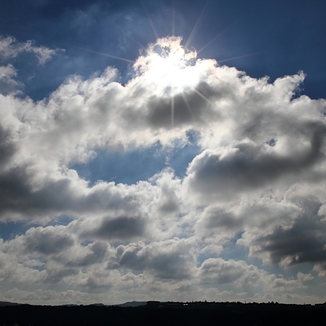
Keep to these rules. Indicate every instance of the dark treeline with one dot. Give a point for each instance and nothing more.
(168, 313)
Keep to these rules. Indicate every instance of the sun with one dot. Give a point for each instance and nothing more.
(171, 70)
(168, 64)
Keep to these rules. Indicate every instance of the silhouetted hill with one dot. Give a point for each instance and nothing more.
(5, 303)
(132, 304)
(165, 313)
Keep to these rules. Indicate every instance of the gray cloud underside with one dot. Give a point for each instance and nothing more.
(121, 227)
(303, 241)
(249, 166)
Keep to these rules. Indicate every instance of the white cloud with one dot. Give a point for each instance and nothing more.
(10, 48)
(238, 274)
(7, 72)
(8, 82)
(167, 260)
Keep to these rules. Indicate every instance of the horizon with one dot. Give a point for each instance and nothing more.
(143, 303)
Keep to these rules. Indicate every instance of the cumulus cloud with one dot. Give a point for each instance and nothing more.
(45, 241)
(302, 241)
(7, 72)
(247, 166)
(8, 82)
(121, 227)
(261, 153)
(169, 259)
(240, 274)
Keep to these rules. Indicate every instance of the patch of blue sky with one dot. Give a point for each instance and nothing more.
(129, 167)
(231, 250)
(62, 220)
(292, 270)
(10, 230)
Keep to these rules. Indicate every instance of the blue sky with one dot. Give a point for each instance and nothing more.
(167, 150)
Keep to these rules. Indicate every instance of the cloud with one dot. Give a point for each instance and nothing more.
(248, 166)
(166, 260)
(305, 277)
(240, 274)
(45, 241)
(300, 242)
(121, 227)
(10, 48)
(7, 148)
(217, 219)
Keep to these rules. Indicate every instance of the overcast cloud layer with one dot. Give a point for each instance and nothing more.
(245, 221)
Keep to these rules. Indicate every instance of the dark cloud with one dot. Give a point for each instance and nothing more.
(165, 260)
(121, 227)
(22, 197)
(56, 275)
(18, 196)
(248, 166)
(94, 253)
(168, 202)
(301, 242)
(192, 107)
(218, 218)
(46, 241)
(7, 147)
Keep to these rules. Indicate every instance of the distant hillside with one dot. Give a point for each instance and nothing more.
(132, 304)
(126, 304)
(165, 313)
(5, 303)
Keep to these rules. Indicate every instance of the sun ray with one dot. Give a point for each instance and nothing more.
(202, 96)
(173, 17)
(108, 55)
(241, 56)
(188, 105)
(137, 42)
(172, 108)
(222, 32)
(196, 25)
(150, 21)
(216, 37)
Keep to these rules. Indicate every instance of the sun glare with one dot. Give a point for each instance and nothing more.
(167, 63)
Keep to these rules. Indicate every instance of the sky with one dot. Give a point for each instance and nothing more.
(162, 150)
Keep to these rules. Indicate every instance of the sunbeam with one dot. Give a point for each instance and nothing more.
(242, 56)
(108, 55)
(172, 108)
(187, 105)
(202, 96)
(173, 18)
(137, 42)
(150, 21)
(196, 25)
(216, 37)
(225, 30)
